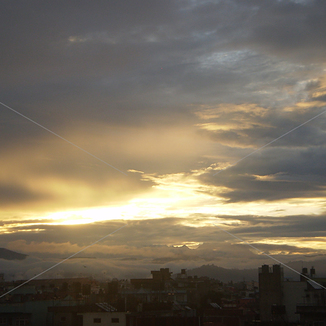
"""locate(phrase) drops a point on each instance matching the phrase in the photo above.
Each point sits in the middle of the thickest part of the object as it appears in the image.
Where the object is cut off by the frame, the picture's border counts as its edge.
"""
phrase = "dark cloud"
(86, 57)
(247, 125)
(256, 227)
(273, 174)
(295, 30)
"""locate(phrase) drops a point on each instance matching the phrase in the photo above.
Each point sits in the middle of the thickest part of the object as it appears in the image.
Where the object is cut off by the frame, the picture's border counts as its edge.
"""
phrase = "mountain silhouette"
(11, 255)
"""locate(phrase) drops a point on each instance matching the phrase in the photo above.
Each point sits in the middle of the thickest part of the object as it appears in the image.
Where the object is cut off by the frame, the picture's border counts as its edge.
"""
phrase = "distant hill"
(237, 275)
(11, 255)
(223, 274)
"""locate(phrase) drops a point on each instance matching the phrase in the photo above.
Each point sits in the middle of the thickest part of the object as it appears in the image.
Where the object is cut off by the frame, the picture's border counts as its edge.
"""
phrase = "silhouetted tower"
(304, 274)
(312, 272)
(271, 293)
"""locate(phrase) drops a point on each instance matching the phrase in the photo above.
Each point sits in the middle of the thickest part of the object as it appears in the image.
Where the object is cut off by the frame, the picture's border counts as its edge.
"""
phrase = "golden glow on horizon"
(315, 242)
(190, 245)
(181, 196)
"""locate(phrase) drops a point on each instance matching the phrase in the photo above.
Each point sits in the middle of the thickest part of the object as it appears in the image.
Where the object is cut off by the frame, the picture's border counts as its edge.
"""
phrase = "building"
(271, 293)
(285, 301)
(87, 315)
(158, 281)
(312, 309)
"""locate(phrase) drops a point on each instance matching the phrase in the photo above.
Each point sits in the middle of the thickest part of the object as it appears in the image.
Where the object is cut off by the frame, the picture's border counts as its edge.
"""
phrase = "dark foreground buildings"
(166, 300)
(162, 300)
(285, 302)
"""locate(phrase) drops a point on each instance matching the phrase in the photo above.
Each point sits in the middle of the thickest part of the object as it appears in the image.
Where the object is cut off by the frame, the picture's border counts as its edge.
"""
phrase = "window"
(22, 321)
(3, 321)
(115, 320)
(97, 320)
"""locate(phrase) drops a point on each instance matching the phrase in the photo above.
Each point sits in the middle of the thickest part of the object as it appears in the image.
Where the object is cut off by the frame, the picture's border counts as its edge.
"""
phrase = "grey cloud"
(143, 246)
(265, 227)
(74, 234)
(295, 30)
(288, 173)
(131, 65)
(244, 128)
(11, 194)
(285, 250)
(133, 235)
(250, 126)
(321, 98)
(250, 190)
(161, 234)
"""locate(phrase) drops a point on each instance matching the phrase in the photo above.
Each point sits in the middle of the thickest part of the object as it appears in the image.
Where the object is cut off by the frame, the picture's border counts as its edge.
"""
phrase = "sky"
(170, 95)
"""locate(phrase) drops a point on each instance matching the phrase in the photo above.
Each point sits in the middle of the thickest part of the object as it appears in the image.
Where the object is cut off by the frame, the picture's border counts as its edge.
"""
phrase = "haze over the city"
(168, 93)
